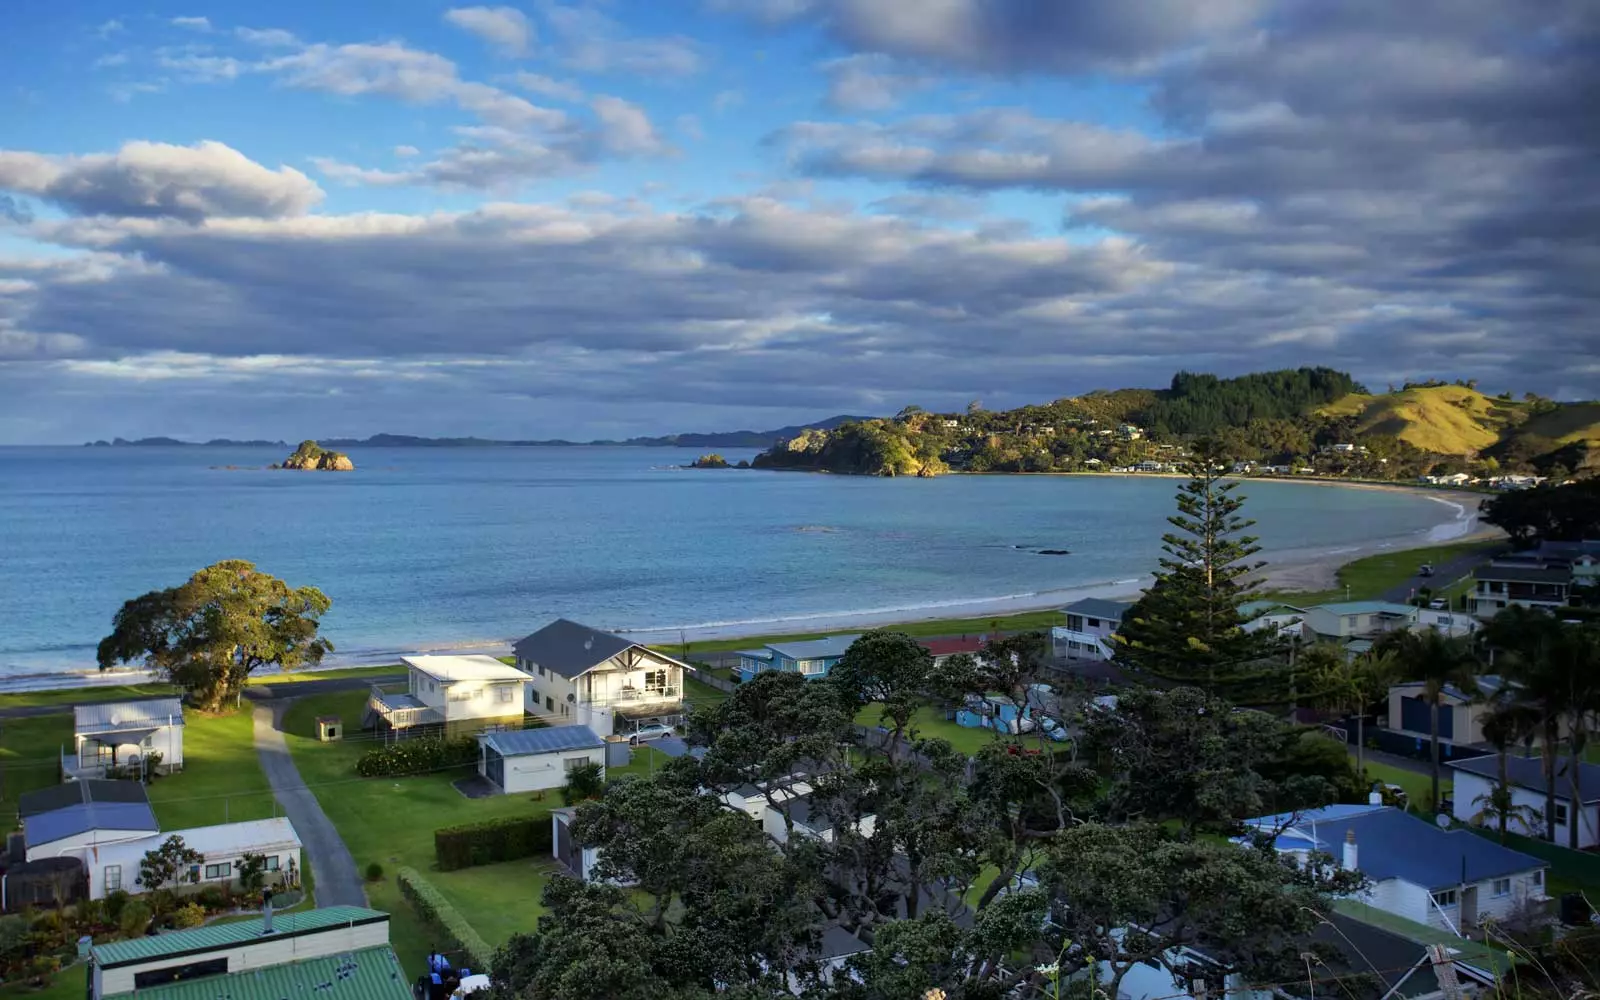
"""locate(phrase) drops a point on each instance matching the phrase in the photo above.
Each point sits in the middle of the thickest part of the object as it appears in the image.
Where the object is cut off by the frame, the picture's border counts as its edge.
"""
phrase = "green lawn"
(382, 670)
(1419, 787)
(930, 723)
(221, 780)
(1367, 578)
(946, 626)
(67, 697)
(68, 984)
(30, 758)
(700, 693)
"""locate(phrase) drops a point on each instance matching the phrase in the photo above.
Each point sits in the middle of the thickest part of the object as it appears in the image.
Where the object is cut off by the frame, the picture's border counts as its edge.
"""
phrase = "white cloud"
(268, 38)
(406, 151)
(505, 28)
(625, 129)
(152, 180)
(727, 100)
(545, 86)
(108, 28)
(869, 83)
(192, 23)
(200, 68)
(591, 42)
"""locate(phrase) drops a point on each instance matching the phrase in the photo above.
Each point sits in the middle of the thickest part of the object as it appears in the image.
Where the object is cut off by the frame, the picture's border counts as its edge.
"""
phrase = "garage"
(533, 760)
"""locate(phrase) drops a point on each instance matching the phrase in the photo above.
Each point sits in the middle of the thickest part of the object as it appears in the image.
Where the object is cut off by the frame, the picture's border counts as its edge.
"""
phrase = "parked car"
(1439, 604)
(649, 731)
(1426, 569)
(1053, 729)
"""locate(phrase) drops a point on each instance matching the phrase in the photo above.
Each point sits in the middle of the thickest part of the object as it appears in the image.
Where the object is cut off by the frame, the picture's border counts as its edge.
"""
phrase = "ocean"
(461, 548)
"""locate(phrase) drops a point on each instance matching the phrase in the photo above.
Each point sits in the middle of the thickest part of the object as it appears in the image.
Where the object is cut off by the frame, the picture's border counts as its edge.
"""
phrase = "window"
(1075, 623)
(504, 693)
(432, 687)
(549, 704)
(573, 763)
(1444, 897)
(272, 863)
(812, 667)
(1502, 887)
(1094, 622)
(218, 871)
(541, 671)
(113, 878)
(1561, 814)
(1537, 878)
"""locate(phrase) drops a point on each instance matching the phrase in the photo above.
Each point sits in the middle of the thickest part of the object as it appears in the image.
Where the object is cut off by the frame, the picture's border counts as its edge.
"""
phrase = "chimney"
(1349, 851)
(266, 912)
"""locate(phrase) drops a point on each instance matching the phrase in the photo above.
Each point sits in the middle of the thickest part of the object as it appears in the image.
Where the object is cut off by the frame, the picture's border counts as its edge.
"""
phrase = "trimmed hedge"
(491, 842)
(418, 756)
(433, 908)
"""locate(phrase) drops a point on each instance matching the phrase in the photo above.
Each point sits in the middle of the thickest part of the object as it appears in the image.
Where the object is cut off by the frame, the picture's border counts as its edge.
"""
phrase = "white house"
(453, 691)
(1091, 623)
(1528, 582)
(754, 799)
(581, 675)
(1477, 777)
(532, 760)
(807, 821)
(1448, 879)
(109, 827)
(1369, 619)
(121, 734)
(335, 952)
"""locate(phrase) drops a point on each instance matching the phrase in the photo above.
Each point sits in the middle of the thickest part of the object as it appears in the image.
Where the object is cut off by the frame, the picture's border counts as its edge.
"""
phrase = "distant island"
(1301, 422)
(715, 461)
(311, 456)
(729, 439)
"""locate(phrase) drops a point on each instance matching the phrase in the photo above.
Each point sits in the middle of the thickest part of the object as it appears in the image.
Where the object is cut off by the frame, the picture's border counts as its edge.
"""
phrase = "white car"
(1439, 604)
(649, 731)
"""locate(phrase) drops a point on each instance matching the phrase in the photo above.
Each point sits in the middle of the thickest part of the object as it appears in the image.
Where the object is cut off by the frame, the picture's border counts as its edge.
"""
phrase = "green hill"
(1443, 419)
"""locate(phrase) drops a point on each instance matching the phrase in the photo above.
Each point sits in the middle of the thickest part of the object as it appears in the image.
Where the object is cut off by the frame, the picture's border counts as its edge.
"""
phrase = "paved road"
(1444, 574)
(338, 883)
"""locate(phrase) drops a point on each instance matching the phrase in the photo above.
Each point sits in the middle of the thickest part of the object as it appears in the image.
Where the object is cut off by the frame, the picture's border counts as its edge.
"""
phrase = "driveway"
(672, 746)
(337, 881)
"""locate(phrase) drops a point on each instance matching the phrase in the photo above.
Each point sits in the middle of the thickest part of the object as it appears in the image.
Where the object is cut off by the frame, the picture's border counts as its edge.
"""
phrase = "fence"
(1405, 745)
(709, 679)
(1577, 867)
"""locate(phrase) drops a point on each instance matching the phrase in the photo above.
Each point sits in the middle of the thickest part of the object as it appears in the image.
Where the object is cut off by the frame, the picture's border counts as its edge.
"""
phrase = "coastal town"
(1407, 769)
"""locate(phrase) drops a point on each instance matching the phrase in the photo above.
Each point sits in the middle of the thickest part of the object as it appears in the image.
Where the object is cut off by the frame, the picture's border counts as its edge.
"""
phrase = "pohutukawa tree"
(208, 635)
(1188, 627)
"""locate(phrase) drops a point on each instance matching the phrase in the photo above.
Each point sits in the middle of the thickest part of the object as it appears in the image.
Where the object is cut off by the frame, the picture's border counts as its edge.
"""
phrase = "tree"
(583, 783)
(1188, 626)
(1509, 720)
(251, 871)
(888, 669)
(1444, 665)
(1349, 684)
(208, 635)
(1558, 513)
(171, 864)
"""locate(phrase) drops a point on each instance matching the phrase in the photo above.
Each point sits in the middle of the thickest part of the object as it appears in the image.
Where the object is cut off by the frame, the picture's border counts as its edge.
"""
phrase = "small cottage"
(533, 760)
(125, 735)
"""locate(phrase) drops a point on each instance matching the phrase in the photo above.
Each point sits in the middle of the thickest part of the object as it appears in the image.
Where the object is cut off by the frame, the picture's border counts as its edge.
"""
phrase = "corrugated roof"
(522, 742)
(75, 793)
(1528, 772)
(1395, 844)
(451, 669)
(216, 936)
(569, 648)
(366, 974)
(237, 838)
(814, 649)
(47, 828)
(1094, 607)
(1523, 574)
(1366, 608)
(755, 654)
(115, 716)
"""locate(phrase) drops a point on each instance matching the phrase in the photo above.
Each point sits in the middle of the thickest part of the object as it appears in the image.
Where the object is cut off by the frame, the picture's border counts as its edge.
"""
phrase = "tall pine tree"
(1188, 627)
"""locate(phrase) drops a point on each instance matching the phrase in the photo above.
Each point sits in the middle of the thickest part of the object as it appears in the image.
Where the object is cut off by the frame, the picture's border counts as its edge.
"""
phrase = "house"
(995, 711)
(754, 798)
(811, 658)
(1348, 620)
(1286, 620)
(1091, 623)
(807, 821)
(454, 692)
(109, 827)
(1447, 879)
(1528, 582)
(534, 760)
(1477, 777)
(943, 649)
(1129, 432)
(576, 858)
(1461, 714)
(581, 675)
(124, 734)
(331, 953)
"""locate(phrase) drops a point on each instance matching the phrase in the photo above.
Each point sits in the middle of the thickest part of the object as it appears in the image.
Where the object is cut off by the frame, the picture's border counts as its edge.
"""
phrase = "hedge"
(418, 756)
(433, 908)
(491, 842)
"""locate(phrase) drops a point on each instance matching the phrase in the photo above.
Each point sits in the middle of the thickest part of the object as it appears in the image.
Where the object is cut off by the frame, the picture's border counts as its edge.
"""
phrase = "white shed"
(116, 866)
(807, 821)
(531, 760)
(123, 734)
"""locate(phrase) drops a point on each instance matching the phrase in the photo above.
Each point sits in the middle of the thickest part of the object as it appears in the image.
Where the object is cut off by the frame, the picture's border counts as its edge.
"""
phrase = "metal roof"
(237, 838)
(115, 716)
(80, 807)
(1095, 607)
(214, 936)
(365, 974)
(1367, 608)
(522, 742)
(814, 649)
(571, 649)
(1528, 772)
(451, 669)
(76, 793)
(1523, 574)
(1395, 844)
(755, 654)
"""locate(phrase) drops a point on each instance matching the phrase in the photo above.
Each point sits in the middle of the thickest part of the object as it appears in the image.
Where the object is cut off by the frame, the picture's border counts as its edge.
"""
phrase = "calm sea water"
(448, 548)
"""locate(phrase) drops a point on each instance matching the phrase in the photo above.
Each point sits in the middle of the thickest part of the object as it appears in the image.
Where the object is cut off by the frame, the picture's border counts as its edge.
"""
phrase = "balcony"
(400, 709)
(632, 697)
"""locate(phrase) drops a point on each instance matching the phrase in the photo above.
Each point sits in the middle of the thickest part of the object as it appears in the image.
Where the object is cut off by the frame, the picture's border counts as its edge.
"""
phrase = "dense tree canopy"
(208, 635)
(1551, 513)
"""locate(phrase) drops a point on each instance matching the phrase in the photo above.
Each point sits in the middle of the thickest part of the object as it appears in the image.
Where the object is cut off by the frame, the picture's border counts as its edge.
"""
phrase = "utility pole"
(1445, 969)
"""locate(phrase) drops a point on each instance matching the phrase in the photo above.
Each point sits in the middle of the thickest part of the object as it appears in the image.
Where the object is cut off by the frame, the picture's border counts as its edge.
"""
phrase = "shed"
(329, 728)
(120, 733)
(531, 760)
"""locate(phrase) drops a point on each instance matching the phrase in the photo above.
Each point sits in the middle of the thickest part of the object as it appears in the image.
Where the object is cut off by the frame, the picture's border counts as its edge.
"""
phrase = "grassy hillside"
(1444, 419)
(1574, 423)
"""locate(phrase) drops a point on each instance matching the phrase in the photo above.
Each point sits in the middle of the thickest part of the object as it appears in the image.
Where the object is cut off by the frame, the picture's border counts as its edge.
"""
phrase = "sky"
(602, 218)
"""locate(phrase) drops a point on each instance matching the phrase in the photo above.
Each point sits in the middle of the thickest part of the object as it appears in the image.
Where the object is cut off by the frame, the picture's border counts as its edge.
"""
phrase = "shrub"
(432, 907)
(418, 756)
(585, 782)
(374, 871)
(135, 918)
(211, 897)
(494, 841)
(188, 915)
(115, 900)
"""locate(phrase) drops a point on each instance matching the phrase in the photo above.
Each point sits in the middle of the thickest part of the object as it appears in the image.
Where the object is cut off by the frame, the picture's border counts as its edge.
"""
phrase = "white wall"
(1469, 787)
(167, 741)
(129, 853)
(256, 954)
(539, 772)
(74, 845)
(551, 686)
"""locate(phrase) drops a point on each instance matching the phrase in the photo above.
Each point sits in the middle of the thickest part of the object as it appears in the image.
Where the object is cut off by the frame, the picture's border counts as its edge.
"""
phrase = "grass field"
(1419, 787)
(30, 758)
(67, 697)
(68, 984)
(930, 723)
(1369, 577)
(944, 626)
(221, 781)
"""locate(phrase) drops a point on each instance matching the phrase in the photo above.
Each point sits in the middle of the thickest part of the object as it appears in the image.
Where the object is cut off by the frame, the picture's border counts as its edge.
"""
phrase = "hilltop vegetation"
(1303, 420)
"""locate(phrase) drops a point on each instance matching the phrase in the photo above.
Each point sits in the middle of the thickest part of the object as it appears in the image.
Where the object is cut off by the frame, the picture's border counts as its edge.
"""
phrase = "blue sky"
(604, 217)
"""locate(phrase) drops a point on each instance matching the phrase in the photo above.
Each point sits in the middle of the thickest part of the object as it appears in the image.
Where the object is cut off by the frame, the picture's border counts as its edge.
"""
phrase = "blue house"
(812, 658)
(997, 712)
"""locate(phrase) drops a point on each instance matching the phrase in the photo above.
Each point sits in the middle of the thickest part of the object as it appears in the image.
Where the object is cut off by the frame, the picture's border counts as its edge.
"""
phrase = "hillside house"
(1528, 582)
(577, 674)
(1129, 432)
(1091, 623)
(1447, 879)
(124, 735)
(458, 693)
(535, 760)
(810, 658)
(1477, 777)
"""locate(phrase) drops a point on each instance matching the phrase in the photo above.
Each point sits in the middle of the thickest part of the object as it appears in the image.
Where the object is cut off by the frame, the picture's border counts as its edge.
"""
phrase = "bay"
(434, 548)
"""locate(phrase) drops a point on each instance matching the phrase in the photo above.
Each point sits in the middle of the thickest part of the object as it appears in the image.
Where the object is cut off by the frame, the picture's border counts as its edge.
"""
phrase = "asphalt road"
(1444, 574)
(338, 883)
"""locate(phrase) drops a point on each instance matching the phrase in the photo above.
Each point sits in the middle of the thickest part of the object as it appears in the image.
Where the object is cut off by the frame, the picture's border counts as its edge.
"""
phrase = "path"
(337, 881)
(1444, 574)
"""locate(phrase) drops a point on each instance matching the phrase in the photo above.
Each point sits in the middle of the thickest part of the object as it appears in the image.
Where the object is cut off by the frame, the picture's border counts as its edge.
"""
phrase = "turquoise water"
(449, 548)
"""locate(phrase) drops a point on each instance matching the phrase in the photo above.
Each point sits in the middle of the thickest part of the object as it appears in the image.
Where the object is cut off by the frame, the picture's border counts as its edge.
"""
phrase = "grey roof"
(569, 648)
(81, 807)
(1094, 607)
(118, 716)
(522, 742)
(1524, 574)
(1528, 772)
(814, 649)
(755, 654)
